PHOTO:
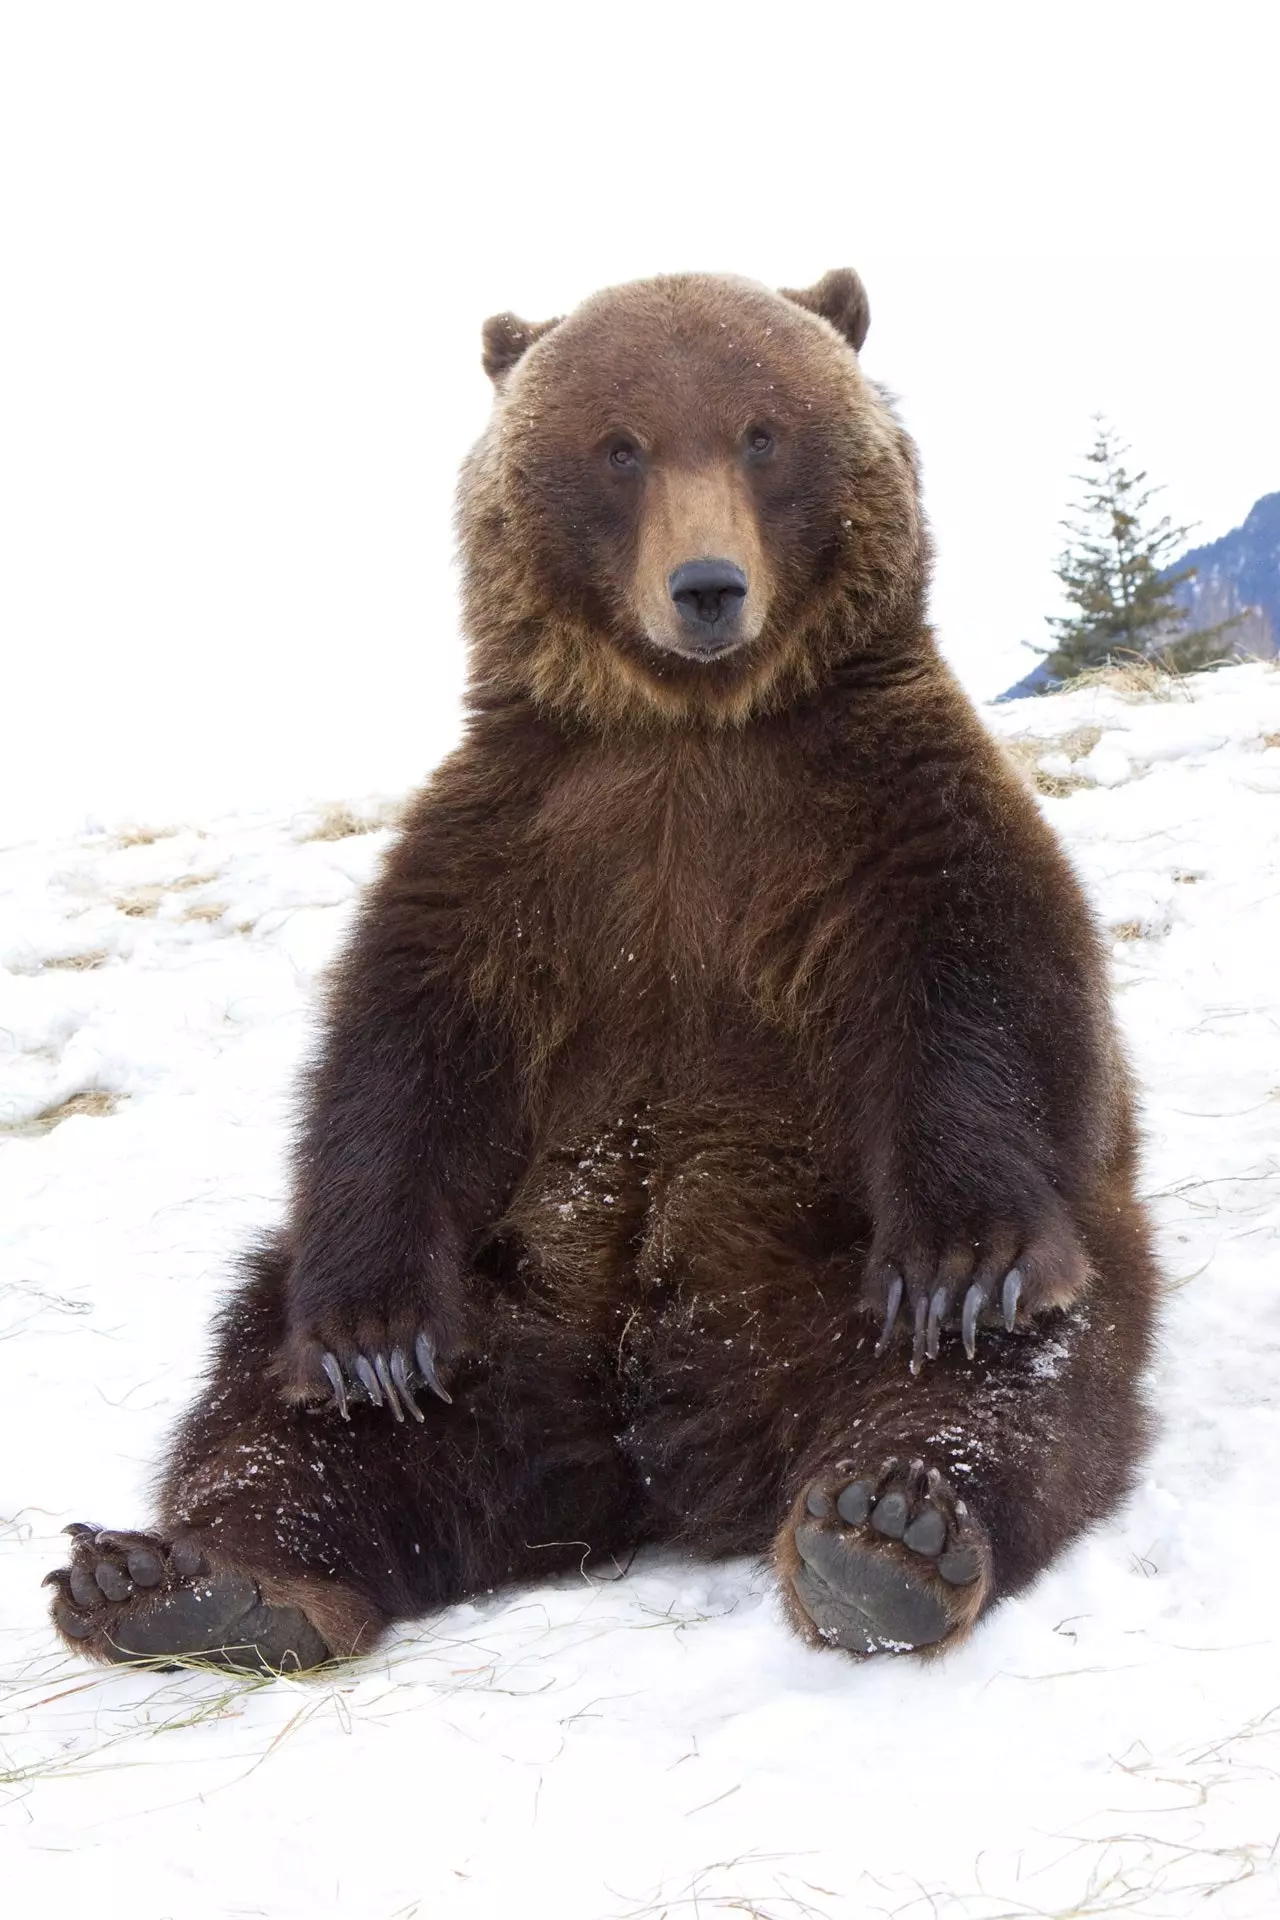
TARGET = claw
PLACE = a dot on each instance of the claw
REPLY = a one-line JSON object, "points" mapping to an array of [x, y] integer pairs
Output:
{"points": [[937, 1312], [890, 1314], [1010, 1297], [974, 1301], [388, 1387], [368, 1379], [400, 1374], [425, 1356], [917, 1342], [333, 1373]]}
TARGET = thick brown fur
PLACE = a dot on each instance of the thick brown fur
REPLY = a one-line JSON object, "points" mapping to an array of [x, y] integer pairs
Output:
{"points": [[699, 1003]]}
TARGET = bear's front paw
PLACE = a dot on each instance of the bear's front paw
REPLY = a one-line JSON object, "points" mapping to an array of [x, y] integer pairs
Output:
{"points": [[1000, 1273], [372, 1362]]}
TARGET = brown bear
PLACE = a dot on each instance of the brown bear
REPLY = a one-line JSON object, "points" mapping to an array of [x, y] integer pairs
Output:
{"points": [[719, 1137]]}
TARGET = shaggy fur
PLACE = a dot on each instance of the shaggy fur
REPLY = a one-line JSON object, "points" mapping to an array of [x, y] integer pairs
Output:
{"points": [[701, 1004]]}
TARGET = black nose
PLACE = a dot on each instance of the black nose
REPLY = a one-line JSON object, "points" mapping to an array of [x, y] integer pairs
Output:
{"points": [[709, 593]]}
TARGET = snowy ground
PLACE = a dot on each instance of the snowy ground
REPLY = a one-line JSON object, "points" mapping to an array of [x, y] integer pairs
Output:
{"points": [[658, 1745]]}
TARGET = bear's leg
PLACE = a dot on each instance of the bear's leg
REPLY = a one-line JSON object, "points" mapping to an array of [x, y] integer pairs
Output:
{"points": [[947, 1490], [289, 1536]]}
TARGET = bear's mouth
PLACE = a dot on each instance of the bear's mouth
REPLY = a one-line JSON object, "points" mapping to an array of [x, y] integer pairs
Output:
{"points": [[705, 651]]}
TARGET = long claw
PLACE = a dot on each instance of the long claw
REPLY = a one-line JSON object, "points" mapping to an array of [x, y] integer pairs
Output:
{"points": [[333, 1373], [400, 1374], [974, 1301], [887, 1470], [1010, 1297], [388, 1387], [368, 1379], [890, 1314], [917, 1343], [426, 1359], [937, 1313]]}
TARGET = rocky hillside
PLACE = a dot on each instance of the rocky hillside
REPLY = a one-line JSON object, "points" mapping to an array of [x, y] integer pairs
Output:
{"points": [[1240, 575]]}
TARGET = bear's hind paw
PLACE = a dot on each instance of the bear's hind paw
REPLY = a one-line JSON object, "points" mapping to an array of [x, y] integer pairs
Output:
{"points": [[886, 1562], [136, 1596]]}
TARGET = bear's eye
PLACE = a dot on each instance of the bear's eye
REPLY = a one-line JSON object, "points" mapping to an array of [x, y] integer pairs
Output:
{"points": [[759, 442], [623, 454]]}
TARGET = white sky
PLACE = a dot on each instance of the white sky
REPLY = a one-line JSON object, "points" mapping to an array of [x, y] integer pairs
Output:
{"points": [[246, 250]]}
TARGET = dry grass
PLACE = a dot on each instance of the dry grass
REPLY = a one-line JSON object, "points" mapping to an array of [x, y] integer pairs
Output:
{"points": [[75, 962], [1028, 751], [1271, 739], [144, 836], [208, 910], [61, 962], [1133, 677], [1127, 930], [143, 903], [340, 823], [95, 1103]]}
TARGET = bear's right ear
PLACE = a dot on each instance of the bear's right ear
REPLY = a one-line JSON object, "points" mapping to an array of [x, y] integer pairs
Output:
{"points": [[839, 297], [507, 338]]}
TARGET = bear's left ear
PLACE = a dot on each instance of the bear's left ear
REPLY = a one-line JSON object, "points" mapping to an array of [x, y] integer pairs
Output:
{"points": [[507, 338], [839, 297]]}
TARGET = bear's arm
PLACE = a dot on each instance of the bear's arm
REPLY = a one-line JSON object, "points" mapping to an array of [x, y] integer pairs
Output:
{"points": [[409, 1139], [984, 1094]]}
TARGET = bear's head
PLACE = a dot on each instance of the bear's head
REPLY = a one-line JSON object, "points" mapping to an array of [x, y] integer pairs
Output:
{"points": [[690, 503]]}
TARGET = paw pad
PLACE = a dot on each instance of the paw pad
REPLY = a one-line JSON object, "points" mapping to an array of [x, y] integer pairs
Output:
{"points": [[885, 1562]]}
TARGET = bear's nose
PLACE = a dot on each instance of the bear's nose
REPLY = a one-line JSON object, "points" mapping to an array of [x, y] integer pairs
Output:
{"points": [[709, 594]]}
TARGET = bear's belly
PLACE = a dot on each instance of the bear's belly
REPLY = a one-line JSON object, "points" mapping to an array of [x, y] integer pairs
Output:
{"points": [[680, 1215]]}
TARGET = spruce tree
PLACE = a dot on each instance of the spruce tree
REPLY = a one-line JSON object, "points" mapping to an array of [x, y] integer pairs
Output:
{"points": [[1113, 571]]}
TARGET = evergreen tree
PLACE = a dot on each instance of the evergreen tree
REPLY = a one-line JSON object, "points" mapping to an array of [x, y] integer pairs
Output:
{"points": [[1114, 573]]}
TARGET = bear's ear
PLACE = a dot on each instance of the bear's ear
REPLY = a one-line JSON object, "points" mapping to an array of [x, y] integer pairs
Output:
{"points": [[507, 338], [839, 297]]}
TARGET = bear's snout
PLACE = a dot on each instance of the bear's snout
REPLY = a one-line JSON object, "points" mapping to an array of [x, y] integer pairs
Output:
{"points": [[701, 585], [709, 597]]}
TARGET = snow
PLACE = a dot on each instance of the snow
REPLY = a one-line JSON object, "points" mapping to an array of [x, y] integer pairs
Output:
{"points": [[656, 1743]]}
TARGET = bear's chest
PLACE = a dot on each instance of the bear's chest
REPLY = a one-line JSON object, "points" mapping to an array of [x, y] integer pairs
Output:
{"points": [[674, 901]]}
